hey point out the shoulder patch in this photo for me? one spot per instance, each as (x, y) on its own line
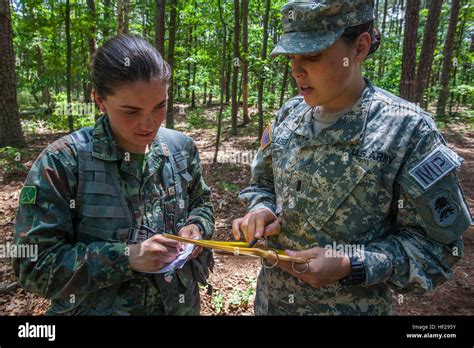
(28, 195)
(435, 166)
(445, 210)
(266, 138)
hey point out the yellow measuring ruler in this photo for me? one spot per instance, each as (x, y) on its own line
(240, 248)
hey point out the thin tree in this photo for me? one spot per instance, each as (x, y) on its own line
(263, 58)
(105, 18)
(126, 16)
(447, 58)
(91, 44)
(120, 16)
(10, 126)
(68, 66)
(245, 62)
(171, 45)
(427, 50)
(236, 65)
(160, 25)
(382, 58)
(284, 83)
(408, 76)
(222, 82)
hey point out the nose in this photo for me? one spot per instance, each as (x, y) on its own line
(148, 123)
(297, 69)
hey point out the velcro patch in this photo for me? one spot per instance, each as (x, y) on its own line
(28, 195)
(445, 210)
(435, 166)
(266, 138)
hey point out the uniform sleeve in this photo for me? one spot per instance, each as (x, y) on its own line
(200, 206)
(44, 220)
(261, 192)
(432, 216)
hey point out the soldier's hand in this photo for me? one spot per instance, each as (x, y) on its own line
(153, 254)
(193, 232)
(256, 224)
(323, 269)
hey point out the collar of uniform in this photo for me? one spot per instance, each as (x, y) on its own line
(349, 128)
(105, 147)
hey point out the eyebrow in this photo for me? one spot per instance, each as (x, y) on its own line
(163, 102)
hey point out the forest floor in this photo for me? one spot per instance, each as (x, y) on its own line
(234, 278)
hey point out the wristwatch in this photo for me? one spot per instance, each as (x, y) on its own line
(357, 275)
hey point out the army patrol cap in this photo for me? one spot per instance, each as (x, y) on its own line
(310, 26)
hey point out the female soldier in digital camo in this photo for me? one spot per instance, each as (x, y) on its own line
(350, 167)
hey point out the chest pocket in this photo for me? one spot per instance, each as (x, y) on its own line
(102, 209)
(314, 195)
(330, 194)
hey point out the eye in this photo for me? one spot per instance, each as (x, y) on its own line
(130, 113)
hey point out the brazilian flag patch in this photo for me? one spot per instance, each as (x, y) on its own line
(266, 138)
(28, 195)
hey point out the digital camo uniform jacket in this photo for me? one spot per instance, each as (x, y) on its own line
(339, 186)
(78, 203)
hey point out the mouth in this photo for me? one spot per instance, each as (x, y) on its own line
(305, 89)
(146, 135)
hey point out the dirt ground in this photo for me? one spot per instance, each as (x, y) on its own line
(234, 278)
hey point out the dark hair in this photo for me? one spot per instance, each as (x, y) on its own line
(125, 59)
(351, 34)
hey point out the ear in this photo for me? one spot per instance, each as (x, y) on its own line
(99, 101)
(363, 47)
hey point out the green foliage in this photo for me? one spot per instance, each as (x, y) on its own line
(230, 187)
(218, 302)
(40, 50)
(11, 160)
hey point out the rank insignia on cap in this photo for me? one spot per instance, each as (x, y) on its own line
(28, 195)
(266, 138)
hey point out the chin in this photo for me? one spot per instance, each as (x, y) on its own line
(311, 101)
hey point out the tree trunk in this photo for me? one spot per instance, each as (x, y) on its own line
(263, 58)
(284, 83)
(382, 59)
(45, 94)
(407, 83)
(189, 49)
(120, 16)
(223, 82)
(245, 62)
(236, 65)
(447, 57)
(126, 16)
(228, 77)
(10, 126)
(427, 50)
(68, 66)
(91, 45)
(106, 18)
(160, 25)
(171, 44)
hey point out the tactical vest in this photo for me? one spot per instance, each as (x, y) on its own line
(102, 214)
